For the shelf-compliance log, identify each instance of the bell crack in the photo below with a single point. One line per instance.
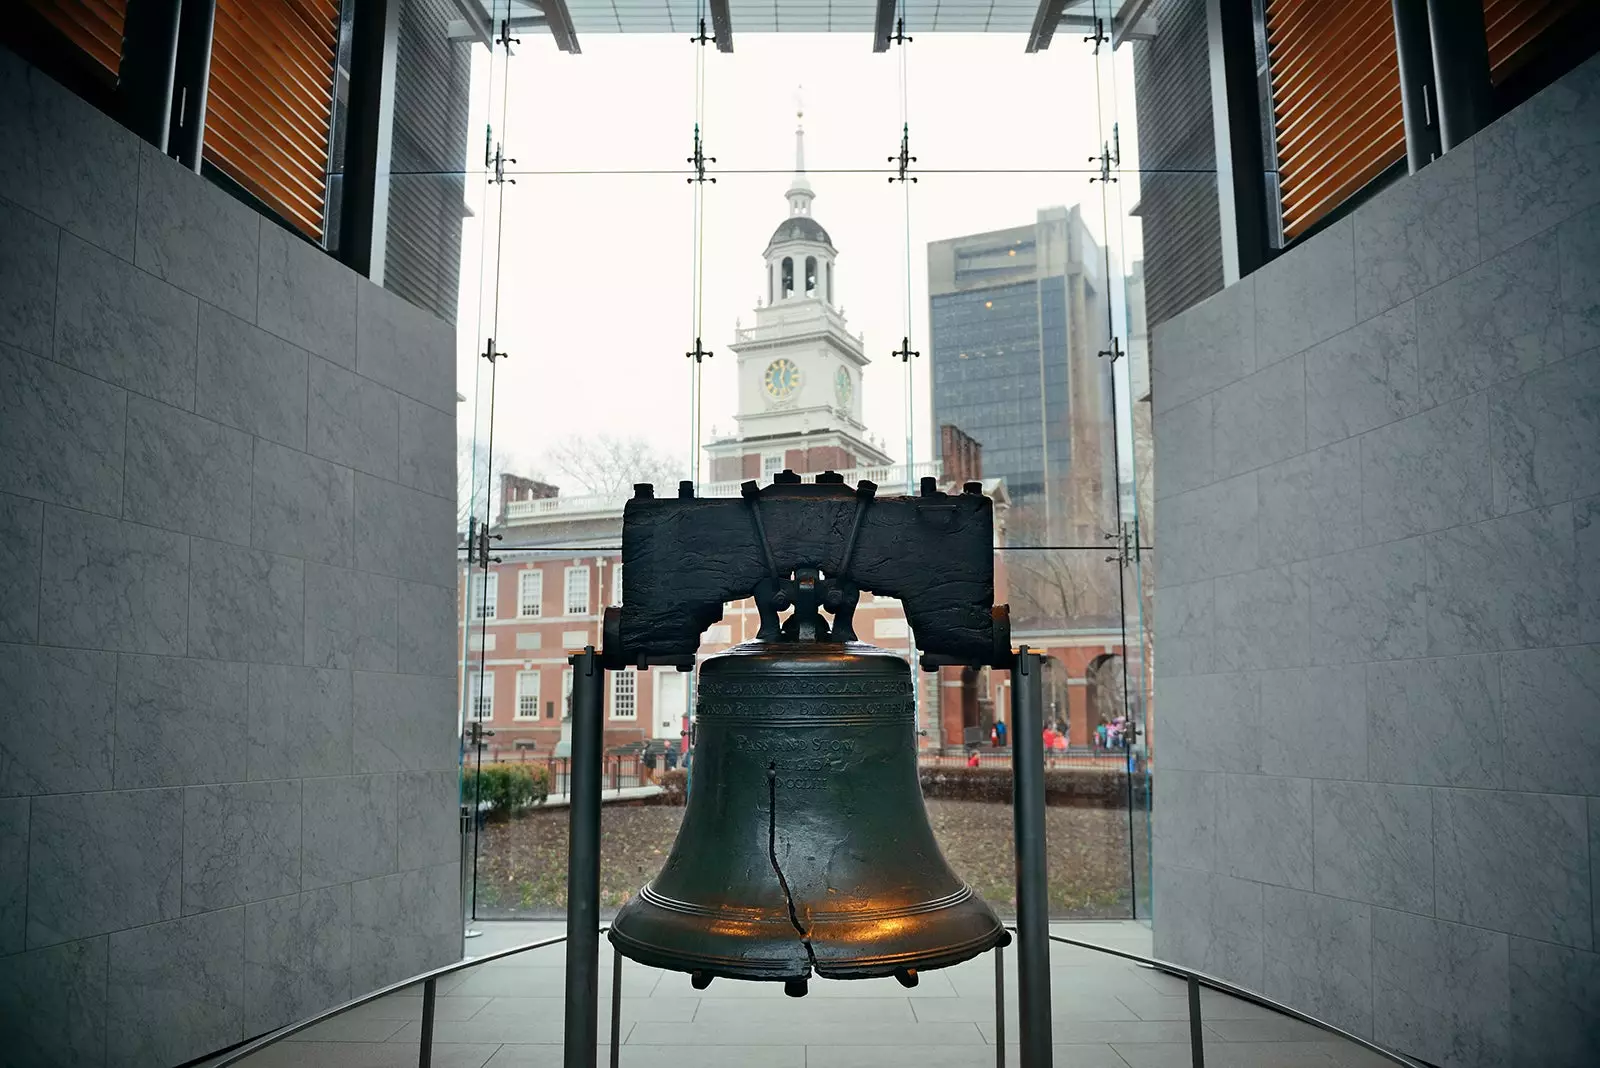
(772, 855)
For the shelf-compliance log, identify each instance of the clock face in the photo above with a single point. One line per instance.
(843, 388)
(782, 378)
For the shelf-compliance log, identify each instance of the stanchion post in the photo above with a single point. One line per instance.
(616, 1007)
(430, 993)
(1197, 1044)
(1033, 902)
(1000, 1005)
(583, 864)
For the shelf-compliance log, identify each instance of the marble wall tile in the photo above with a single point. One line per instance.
(1318, 956)
(1264, 829)
(352, 619)
(1536, 166)
(299, 722)
(27, 279)
(13, 874)
(1186, 622)
(186, 473)
(113, 585)
(176, 990)
(1436, 722)
(124, 326)
(307, 297)
(1499, 320)
(1183, 447)
(1209, 532)
(61, 434)
(1440, 991)
(430, 822)
(1417, 233)
(1514, 862)
(1594, 860)
(246, 604)
(1363, 378)
(1369, 604)
(1263, 619)
(1310, 505)
(354, 421)
(241, 842)
(1427, 472)
(1554, 992)
(1181, 929)
(1578, 247)
(1306, 295)
(1185, 814)
(250, 379)
(428, 629)
(1314, 722)
(1235, 950)
(404, 722)
(193, 234)
(21, 546)
(1214, 344)
(1505, 584)
(1586, 527)
(427, 448)
(296, 957)
(404, 347)
(56, 734)
(1543, 428)
(404, 924)
(66, 161)
(179, 721)
(1551, 711)
(103, 862)
(65, 985)
(404, 532)
(1372, 842)
(303, 506)
(1261, 419)
(1210, 722)
(350, 829)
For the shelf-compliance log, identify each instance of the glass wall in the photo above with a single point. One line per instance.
(962, 297)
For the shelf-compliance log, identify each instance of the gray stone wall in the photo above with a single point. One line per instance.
(226, 516)
(1378, 739)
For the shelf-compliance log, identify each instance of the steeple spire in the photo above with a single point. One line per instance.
(800, 193)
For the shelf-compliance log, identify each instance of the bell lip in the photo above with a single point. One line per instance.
(959, 896)
(804, 651)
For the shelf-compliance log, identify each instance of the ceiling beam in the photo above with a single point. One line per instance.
(560, 20)
(477, 23)
(722, 25)
(883, 27)
(1126, 25)
(1045, 21)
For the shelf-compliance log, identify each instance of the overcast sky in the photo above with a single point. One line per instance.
(595, 269)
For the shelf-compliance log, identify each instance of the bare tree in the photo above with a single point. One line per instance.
(1058, 585)
(477, 479)
(607, 465)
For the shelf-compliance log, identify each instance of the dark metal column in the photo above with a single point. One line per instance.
(583, 864)
(1241, 162)
(369, 122)
(1033, 901)
(149, 63)
(1414, 47)
(191, 81)
(1461, 70)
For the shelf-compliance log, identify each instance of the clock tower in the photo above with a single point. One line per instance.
(799, 365)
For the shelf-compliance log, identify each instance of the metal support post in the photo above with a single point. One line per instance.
(616, 1007)
(583, 864)
(1461, 70)
(1033, 902)
(1237, 126)
(191, 82)
(1417, 92)
(1000, 1005)
(430, 992)
(369, 119)
(149, 61)
(1197, 1045)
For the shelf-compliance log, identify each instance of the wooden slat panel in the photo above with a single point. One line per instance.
(1512, 26)
(1337, 119)
(270, 106)
(93, 25)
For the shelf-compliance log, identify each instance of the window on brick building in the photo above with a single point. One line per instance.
(616, 584)
(578, 591)
(624, 690)
(771, 464)
(566, 693)
(482, 691)
(527, 695)
(530, 594)
(484, 596)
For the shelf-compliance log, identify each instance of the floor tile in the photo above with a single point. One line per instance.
(370, 1055)
(345, 1028)
(776, 1033)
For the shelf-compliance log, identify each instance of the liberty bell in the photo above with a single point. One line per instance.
(805, 846)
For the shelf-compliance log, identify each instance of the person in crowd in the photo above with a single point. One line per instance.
(994, 736)
(1000, 733)
(672, 757)
(648, 759)
(972, 757)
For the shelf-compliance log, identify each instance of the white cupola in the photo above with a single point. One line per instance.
(800, 256)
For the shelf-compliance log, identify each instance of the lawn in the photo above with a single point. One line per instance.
(522, 863)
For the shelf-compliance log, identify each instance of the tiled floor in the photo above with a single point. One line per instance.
(1108, 1014)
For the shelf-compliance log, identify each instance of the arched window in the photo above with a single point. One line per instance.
(769, 285)
(811, 276)
(786, 290)
(829, 276)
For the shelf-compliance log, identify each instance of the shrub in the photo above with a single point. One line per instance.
(504, 790)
